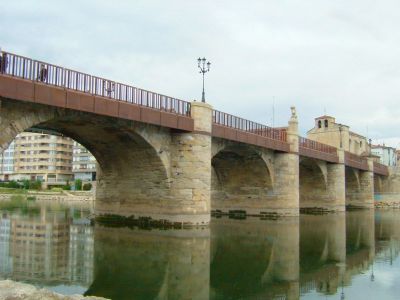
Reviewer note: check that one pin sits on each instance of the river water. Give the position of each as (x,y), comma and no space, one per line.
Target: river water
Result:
(335,256)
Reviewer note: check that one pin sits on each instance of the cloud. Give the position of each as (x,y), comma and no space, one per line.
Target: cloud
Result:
(335,56)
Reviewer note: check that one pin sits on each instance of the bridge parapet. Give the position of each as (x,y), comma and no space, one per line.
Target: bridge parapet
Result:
(238,129)
(356,161)
(381,169)
(49,74)
(314,149)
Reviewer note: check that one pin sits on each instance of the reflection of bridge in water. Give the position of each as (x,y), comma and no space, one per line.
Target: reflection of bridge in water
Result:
(335,248)
(251,259)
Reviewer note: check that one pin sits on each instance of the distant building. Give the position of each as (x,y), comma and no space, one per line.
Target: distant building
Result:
(83,164)
(43,157)
(327,131)
(387,155)
(7,162)
(53,159)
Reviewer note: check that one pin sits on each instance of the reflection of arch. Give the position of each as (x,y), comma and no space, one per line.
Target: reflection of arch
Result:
(244,263)
(360,230)
(268,275)
(241,173)
(132,160)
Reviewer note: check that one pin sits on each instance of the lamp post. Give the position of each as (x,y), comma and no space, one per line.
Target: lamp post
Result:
(204,68)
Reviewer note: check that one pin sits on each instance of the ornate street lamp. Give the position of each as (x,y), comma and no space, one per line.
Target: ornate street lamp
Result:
(204,68)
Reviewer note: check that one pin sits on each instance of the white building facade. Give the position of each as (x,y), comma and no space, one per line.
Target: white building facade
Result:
(83,163)
(7,162)
(387,155)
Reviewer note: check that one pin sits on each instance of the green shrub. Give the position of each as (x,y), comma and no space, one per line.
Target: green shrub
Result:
(11,184)
(87,186)
(78,184)
(67,187)
(25,184)
(35,185)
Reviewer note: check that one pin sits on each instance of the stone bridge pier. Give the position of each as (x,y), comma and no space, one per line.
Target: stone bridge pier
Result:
(173,185)
(322,184)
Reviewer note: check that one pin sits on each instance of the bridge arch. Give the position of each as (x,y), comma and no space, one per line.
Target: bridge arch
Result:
(313,183)
(378,184)
(352,185)
(242,178)
(133,176)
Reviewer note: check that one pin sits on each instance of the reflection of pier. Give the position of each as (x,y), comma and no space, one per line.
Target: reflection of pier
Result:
(387,234)
(334,248)
(153,264)
(322,251)
(360,242)
(256,259)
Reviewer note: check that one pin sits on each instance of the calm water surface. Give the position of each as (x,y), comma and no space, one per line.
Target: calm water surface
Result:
(343,256)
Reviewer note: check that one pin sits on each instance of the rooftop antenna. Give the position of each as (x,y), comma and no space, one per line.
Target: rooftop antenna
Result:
(324,111)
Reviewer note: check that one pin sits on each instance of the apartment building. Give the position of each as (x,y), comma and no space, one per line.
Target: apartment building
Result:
(83,164)
(54,159)
(38,156)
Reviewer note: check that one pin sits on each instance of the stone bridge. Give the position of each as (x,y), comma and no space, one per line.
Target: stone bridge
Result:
(168,159)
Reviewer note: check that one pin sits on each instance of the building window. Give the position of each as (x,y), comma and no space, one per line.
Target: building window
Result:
(360,144)
(326,123)
(319,124)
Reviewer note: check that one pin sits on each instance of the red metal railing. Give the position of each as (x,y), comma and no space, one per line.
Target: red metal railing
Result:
(26,68)
(238,123)
(313,145)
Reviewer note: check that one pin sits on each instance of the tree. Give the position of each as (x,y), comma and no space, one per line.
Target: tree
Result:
(78,184)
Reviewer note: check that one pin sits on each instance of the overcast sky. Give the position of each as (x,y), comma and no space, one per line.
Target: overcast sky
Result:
(340,57)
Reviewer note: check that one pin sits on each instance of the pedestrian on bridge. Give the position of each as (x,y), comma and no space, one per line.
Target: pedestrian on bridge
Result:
(3,62)
(43,73)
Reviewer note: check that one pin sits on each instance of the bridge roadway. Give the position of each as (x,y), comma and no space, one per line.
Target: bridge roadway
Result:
(178,161)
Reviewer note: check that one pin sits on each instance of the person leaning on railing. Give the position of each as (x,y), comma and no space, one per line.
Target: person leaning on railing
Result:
(3,62)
